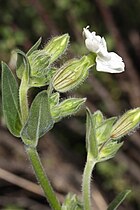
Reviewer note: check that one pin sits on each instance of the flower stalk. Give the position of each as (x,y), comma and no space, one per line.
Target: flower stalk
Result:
(86,189)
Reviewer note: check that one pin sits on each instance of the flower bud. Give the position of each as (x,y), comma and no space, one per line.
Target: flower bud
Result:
(72,74)
(127,123)
(39,62)
(41,70)
(57,46)
(66,108)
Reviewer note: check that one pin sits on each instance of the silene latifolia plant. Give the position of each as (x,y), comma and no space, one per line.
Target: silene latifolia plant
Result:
(37,68)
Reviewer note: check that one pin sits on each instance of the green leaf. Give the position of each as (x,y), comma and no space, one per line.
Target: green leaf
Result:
(10,101)
(103,132)
(118,200)
(22,65)
(22,60)
(34,47)
(39,121)
(19,66)
(91,141)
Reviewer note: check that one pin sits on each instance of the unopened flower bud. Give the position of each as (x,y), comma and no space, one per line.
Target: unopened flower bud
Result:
(39,62)
(127,123)
(72,74)
(66,108)
(57,46)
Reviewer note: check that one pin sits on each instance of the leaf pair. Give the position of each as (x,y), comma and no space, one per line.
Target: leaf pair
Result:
(39,120)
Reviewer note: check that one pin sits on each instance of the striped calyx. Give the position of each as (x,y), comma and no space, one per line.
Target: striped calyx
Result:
(72,74)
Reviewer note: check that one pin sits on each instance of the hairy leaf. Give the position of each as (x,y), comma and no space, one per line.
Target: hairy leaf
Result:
(22,65)
(34,47)
(91,141)
(39,121)
(10,101)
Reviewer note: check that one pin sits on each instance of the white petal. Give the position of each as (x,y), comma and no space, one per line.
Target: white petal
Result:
(103,54)
(97,38)
(93,42)
(87,33)
(106,61)
(114,65)
(103,43)
(92,45)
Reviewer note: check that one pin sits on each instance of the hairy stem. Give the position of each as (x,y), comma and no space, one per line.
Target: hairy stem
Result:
(23,99)
(86,191)
(42,178)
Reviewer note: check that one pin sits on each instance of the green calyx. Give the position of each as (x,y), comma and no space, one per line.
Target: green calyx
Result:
(57,46)
(66,108)
(72,74)
(126,123)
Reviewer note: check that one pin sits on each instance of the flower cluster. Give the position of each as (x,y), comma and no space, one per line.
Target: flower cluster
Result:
(105,61)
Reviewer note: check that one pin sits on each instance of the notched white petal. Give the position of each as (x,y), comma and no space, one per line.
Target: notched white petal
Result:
(114,65)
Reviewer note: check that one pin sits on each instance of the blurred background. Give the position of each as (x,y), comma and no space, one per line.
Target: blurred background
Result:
(63,150)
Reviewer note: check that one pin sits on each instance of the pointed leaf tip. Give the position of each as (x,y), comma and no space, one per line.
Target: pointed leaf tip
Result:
(34,47)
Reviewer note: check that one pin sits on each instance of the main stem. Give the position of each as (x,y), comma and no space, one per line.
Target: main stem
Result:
(42,178)
(86,191)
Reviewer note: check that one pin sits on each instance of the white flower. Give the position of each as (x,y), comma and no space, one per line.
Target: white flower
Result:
(106,61)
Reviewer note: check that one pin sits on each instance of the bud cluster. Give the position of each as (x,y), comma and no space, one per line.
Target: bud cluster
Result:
(103,135)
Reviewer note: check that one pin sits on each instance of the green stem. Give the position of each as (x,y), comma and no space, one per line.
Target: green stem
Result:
(42,178)
(86,191)
(23,99)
